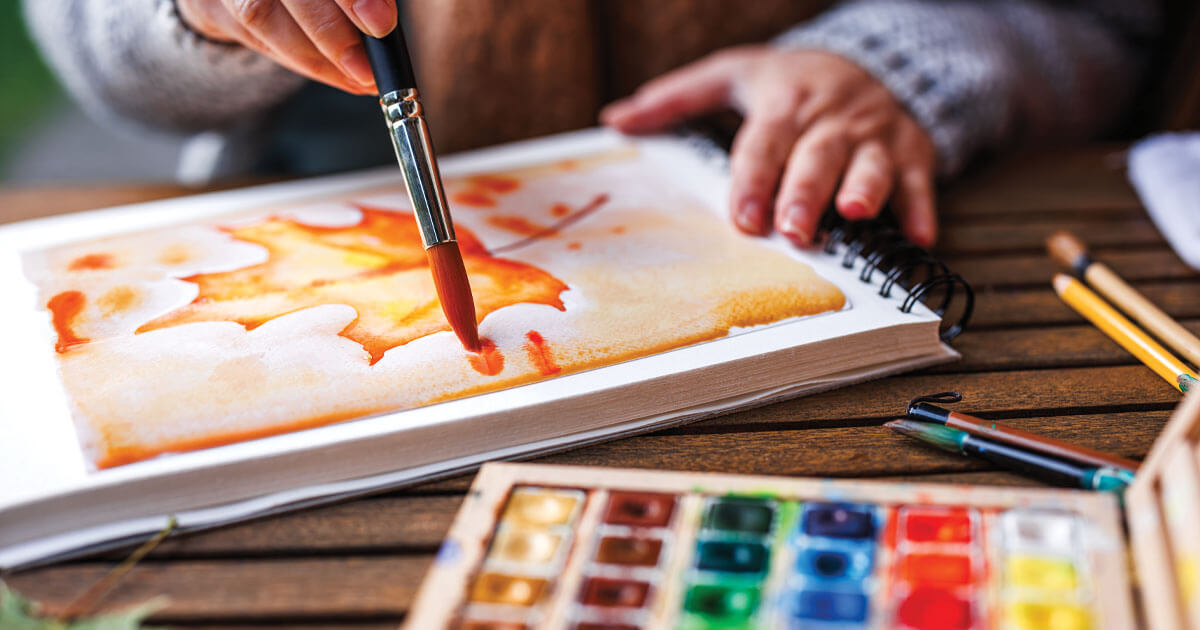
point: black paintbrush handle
(390, 62)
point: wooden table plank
(1006, 394)
(1007, 270)
(1055, 347)
(1086, 178)
(362, 587)
(406, 523)
(1031, 237)
(1036, 307)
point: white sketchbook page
(39, 452)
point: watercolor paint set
(591, 549)
(585, 548)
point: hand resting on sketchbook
(812, 119)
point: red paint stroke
(516, 225)
(473, 198)
(558, 226)
(560, 210)
(92, 261)
(539, 353)
(488, 361)
(64, 308)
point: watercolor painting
(281, 318)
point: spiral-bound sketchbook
(223, 356)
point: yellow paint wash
(1042, 573)
(1039, 616)
(365, 260)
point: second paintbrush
(921, 408)
(1012, 458)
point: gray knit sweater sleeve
(980, 75)
(135, 60)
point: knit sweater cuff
(944, 91)
(138, 61)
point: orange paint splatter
(488, 361)
(175, 255)
(516, 225)
(481, 190)
(118, 299)
(92, 261)
(64, 308)
(568, 165)
(495, 183)
(574, 246)
(473, 198)
(539, 354)
(560, 210)
(620, 229)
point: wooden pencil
(1069, 251)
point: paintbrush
(1033, 464)
(920, 408)
(1070, 252)
(392, 67)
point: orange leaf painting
(304, 314)
(377, 266)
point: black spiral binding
(878, 242)
(913, 269)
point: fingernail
(791, 224)
(376, 15)
(748, 217)
(855, 210)
(354, 61)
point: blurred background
(45, 137)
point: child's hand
(316, 38)
(811, 118)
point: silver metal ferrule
(414, 151)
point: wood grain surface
(1027, 359)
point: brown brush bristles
(454, 292)
(1066, 249)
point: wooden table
(1028, 359)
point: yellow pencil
(1124, 332)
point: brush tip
(454, 292)
(943, 437)
(1066, 249)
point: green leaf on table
(19, 613)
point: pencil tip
(1062, 281)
